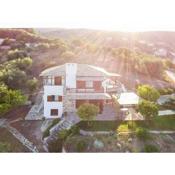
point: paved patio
(109, 114)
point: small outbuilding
(128, 99)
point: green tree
(88, 111)
(14, 98)
(32, 84)
(148, 93)
(14, 78)
(10, 98)
(24, 63)
(148, 109)
(14, 54)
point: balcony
(85, 90)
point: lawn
(8, 143)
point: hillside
(148, 42)
(133, 55)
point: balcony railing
(85, 90)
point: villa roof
(82, 70)
(128, 98)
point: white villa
(68, 86)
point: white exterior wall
(52, 90)
(71, 71)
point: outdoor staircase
(36, 112)
(64, 124)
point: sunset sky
(123, 15)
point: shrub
(63, 134)
(74, 130)
(4, 108)
(81, 146)
(32, 84)
(142, 133)
(123, 128)
(151, 148)
(46, 133)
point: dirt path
(30, 130)
(21, 138)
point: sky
(121, 15)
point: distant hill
(160, 43)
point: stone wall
(69, 105)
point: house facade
(68, 86)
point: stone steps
(36, 111)
(62, 125)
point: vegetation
(150, 148)
(148, 109)
(21, 35)
(13, 73)
(139, 62)
(46, 133)
(148, 93)
(10, 98)
(142, 133)
(81, 146)
(123, 128)
(163, 123)
(32, 84)
(166, 91)
(74, 130)
(16, 53)
(62, 135)
(87, 111)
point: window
(58, 80)
(52, 98)
(60, 98)
(89, 84)
(54, 112)
(81, 84)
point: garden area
(120, 143)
